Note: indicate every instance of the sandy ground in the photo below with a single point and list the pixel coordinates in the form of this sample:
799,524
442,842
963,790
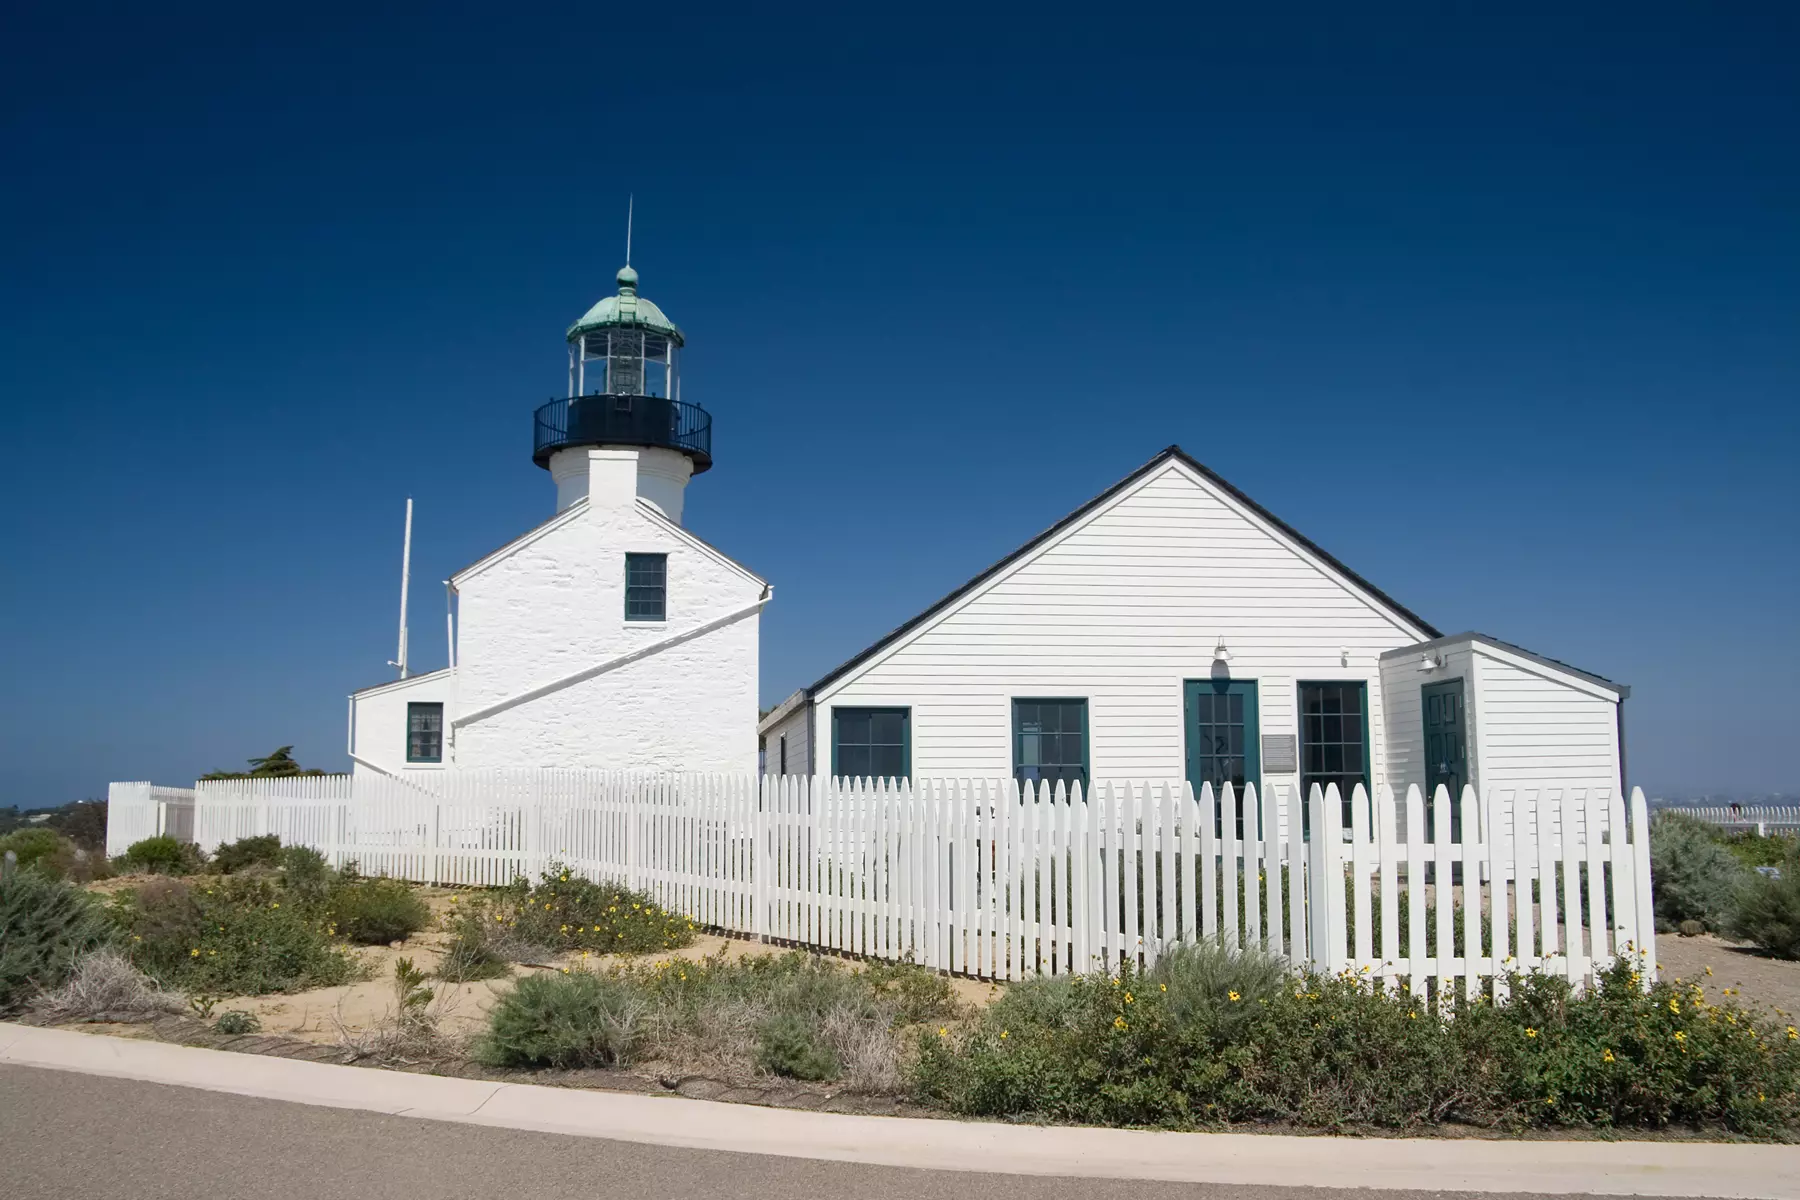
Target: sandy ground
1757,980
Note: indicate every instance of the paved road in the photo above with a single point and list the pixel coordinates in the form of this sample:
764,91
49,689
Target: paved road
69,1135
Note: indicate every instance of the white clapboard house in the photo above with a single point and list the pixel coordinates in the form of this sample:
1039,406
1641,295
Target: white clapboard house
1173,628
609,636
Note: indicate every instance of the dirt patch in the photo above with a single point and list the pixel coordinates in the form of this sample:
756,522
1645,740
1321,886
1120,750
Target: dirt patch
1754,978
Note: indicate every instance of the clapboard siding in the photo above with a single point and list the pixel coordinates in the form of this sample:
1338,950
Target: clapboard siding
1121,609
1402,684
793,727
1542,732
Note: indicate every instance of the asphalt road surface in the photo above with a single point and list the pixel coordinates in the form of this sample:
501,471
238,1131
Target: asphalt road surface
65,1135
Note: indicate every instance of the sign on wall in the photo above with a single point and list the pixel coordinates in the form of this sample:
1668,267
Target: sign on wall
1280,754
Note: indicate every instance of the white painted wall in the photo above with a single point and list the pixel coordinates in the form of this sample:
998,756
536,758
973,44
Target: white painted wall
1121,609
553,604
1543,730
792,727
378,722
662,477
1401,681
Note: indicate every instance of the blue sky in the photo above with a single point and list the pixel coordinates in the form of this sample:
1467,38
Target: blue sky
1503,310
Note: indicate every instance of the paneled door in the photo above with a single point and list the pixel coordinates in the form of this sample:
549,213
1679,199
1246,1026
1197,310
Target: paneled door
1222,744
1446,749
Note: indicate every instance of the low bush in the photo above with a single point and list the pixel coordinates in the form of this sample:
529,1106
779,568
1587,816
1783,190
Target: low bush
264,851
1768,910
236,1021
378,911
163,855
104,986
35,845
1335,1053
564,911
230,936
471,954
1761,849
1693,876
788,1044
576,1019
306,874
46,925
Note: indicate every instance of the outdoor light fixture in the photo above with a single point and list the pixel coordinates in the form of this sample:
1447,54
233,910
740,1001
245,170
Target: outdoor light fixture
1220,653
1430,662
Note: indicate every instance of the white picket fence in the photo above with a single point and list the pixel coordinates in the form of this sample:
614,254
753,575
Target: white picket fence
999,880
1764,819
135,811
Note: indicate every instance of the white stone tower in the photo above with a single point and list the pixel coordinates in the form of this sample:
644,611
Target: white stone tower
625,393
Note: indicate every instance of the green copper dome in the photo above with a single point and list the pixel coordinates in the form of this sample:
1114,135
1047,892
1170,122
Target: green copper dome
627,310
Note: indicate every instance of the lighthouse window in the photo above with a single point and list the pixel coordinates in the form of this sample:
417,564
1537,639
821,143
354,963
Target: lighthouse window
424,733
646,587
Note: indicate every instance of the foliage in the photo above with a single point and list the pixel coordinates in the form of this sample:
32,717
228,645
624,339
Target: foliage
1761,850
1693,876
264,851
1768,910
236,1021
279,765
306,874
787,1044
378,911
564,911
575,1019
1336,1053
53,854
104,986
32,844
471,954
81,821
46,925
163,855
234,936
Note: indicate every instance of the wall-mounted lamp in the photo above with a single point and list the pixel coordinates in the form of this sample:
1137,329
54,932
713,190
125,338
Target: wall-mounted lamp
1220,653
1430,662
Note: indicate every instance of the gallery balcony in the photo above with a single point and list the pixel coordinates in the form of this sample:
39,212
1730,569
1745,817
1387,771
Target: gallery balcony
609,420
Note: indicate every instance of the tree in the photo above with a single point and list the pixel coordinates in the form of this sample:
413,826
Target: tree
279,765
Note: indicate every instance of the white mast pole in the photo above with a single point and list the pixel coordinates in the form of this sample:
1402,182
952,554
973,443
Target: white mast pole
405,579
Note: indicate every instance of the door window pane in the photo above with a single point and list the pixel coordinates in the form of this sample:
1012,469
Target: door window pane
1050,741
871,743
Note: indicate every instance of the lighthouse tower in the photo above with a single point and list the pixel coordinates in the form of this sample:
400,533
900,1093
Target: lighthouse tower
625,394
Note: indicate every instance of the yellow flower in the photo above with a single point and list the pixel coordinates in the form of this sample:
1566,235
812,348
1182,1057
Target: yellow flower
498,917
1709,970
1165,987
275,904
1412,1016
1792,1035
1680,1036
1128,997
1118,1022
1674,1005
943,1031
1530,1033
565,929
1234,997
1549,1099
194,953
1003,1035
1606,1055
453,899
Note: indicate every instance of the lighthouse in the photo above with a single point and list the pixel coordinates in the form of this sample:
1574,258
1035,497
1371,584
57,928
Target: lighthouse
625,394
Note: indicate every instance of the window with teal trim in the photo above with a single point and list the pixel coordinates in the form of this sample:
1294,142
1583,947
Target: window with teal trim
646,587
424,733
1050,741
871,743
1334,740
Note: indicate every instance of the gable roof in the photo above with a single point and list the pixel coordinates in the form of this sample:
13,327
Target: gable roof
1171,454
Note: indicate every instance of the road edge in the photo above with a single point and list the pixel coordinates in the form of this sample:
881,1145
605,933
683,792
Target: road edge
1450,1164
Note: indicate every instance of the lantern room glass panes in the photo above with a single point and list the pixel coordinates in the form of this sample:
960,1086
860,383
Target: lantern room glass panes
627,362
1334,740
424,733
871,743
1050,741
646,587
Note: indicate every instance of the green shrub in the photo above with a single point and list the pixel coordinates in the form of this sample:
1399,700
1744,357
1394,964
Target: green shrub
230,936
563,911
305,873
34,844
264,851
1693,876
471,954
1334,1053
163,855
1761,850
45,926
378,911
237,1021
563,1020
789,1045
1768,910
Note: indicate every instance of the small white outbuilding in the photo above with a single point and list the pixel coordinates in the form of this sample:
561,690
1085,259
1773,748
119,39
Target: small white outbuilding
609,636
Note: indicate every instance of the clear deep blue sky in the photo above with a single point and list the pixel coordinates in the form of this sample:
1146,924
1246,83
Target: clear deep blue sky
1503,310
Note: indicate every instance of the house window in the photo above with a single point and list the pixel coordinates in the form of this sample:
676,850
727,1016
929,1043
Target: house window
871,743
781,750
424,733
1334,740
1050,741
646,587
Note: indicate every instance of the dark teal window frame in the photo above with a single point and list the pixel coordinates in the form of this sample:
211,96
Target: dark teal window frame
846,721
646,587
1207,701
418,711
1315,731
1061,770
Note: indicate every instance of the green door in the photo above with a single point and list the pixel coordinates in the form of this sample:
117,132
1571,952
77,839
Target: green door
1222,744
1446,749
